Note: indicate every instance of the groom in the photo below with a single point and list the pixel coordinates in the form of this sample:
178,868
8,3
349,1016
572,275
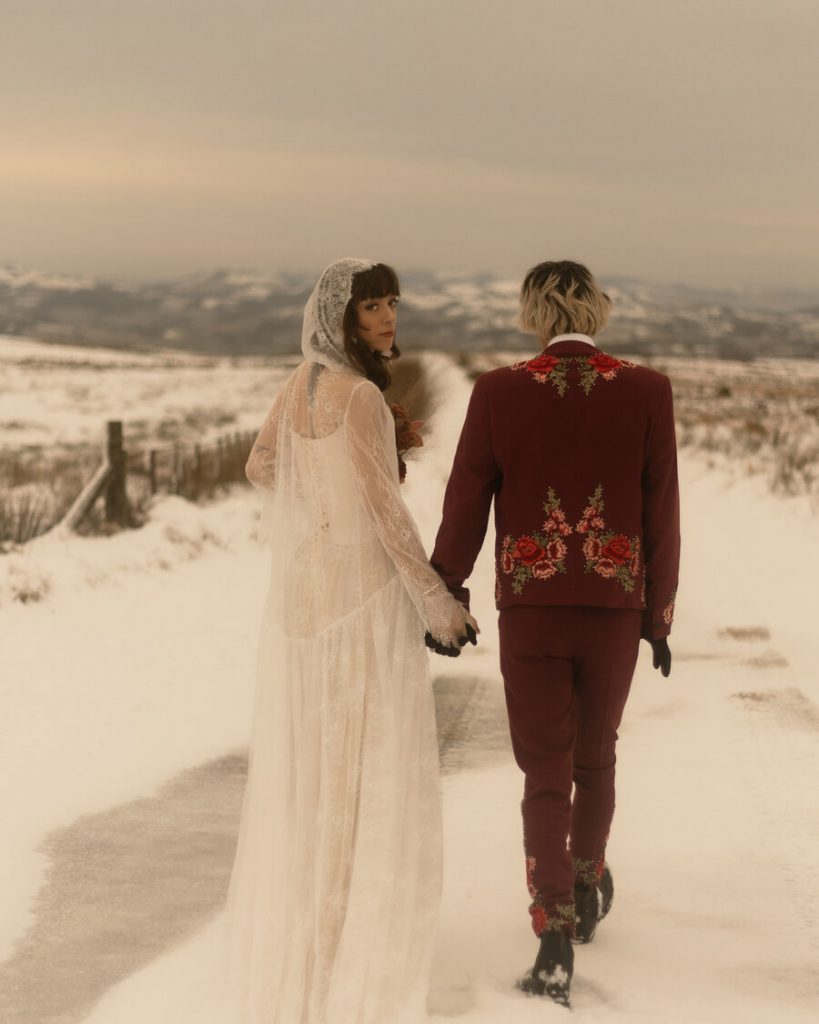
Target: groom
577,449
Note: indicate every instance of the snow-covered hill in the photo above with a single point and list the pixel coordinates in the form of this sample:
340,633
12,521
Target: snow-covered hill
234,313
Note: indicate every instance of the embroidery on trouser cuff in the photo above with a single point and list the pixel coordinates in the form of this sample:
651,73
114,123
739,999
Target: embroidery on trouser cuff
562,918
588,872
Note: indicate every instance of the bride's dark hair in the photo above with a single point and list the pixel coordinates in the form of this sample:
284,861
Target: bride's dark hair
375,283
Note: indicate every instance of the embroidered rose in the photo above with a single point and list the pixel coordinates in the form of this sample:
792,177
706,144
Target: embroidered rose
544,569
605,364
543,364
592,548
549,369
539,918
589,872
611,555
600,366
539,555
527,550
618,549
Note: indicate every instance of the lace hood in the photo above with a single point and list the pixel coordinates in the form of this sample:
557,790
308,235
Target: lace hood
322,337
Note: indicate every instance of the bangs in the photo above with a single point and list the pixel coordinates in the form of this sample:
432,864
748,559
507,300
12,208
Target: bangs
375,283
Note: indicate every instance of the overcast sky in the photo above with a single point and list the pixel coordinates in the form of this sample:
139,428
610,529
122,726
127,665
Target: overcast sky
674,141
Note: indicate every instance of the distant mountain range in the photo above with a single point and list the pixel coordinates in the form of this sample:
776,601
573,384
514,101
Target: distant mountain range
241,313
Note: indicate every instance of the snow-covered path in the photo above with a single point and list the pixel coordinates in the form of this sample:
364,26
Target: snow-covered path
138,664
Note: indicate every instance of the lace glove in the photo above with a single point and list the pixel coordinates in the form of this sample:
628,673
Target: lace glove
461,629
662,655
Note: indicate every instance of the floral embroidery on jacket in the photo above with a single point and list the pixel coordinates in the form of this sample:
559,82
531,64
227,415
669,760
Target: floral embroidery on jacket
668,611
609,554
549,369
599,365
541,554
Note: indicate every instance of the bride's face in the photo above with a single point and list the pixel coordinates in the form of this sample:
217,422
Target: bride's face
376,322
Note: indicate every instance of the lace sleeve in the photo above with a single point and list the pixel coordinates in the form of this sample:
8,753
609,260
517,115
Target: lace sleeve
260,468
370,440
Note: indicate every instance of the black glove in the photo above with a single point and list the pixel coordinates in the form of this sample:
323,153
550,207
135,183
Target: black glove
439,648
662,655
471,636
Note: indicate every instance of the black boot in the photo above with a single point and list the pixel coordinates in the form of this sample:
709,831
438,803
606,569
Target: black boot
552,974
592,905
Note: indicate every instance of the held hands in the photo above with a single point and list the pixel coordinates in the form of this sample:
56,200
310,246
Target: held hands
662,655
466,631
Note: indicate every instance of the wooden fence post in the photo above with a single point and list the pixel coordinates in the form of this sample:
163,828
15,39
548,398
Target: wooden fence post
152,458
116,499
177,470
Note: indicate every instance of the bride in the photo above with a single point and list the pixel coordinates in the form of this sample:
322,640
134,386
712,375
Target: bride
334,894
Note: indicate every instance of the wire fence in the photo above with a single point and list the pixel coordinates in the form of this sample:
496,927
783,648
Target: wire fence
116,494
193,471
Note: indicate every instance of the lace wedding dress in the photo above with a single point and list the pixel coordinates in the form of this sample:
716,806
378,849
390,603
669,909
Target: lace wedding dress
333,899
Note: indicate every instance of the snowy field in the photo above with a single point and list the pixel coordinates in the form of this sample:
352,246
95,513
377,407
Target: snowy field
61,395
125,698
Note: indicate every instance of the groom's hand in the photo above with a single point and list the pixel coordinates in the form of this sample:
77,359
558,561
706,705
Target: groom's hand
471,636
472,629
661,655
440,648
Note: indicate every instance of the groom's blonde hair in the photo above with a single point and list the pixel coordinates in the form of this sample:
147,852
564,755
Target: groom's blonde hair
562,297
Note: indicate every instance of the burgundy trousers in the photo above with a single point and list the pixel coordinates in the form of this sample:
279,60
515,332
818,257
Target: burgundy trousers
567,673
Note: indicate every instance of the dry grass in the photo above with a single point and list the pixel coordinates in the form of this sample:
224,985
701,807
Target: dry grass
37,487
411,388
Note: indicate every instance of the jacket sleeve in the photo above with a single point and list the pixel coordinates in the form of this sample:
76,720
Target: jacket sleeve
473,481
661,519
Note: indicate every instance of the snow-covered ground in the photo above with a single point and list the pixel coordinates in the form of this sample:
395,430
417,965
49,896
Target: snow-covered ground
132,660
61,395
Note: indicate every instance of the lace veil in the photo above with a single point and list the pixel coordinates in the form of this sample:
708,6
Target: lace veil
322,340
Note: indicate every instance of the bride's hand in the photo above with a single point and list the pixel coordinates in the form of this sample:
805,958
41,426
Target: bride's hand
462,629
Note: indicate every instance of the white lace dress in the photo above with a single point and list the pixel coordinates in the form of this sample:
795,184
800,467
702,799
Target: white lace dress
333,899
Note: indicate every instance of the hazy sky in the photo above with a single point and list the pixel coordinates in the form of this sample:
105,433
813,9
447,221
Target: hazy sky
668,140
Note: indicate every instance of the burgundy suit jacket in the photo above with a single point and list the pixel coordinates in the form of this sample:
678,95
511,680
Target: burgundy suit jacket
578,451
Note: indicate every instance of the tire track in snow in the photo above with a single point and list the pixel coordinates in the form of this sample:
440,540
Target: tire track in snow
131,882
